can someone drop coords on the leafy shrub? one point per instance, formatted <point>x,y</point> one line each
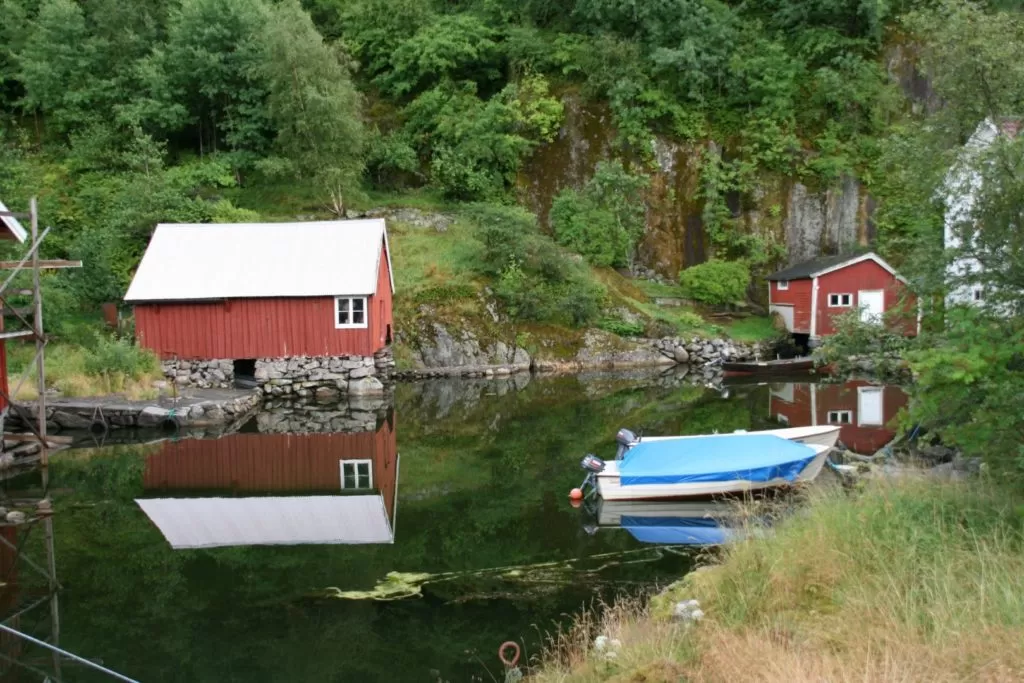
<point>605,220</point>
<point>854,337</point>
<point>621,327</point>
<point>113,355</point>
<point>716,282</point>
<point>535,279</point>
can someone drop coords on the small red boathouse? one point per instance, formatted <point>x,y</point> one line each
<point>809,295</point>
<point>265,290</point>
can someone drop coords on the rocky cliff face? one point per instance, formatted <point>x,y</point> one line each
<point>808,221</point>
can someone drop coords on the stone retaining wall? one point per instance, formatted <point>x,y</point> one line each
<point>204,374</point>
<point>107,413</point>
<point>300,376</point>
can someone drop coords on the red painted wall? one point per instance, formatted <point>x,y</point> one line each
<point>263,328</point>
<point>863,439</point>
<point>273,463</point>
<point>799,296</point>
<point>863,275</point>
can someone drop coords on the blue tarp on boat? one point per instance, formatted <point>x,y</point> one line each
<point>677,530</point>
<point>751,457</point>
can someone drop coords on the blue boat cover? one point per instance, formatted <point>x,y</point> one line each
<point>751,457</point>
<point>677,530</point>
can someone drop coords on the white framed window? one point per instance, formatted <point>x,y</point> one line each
<point>356,474</point>
<point>782,418</point>
<point>349,311</point>
<point>839,300</point>
<point>840,417</point>
<point>783,285</point>
<point>978,294</point>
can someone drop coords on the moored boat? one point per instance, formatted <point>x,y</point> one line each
<point>672,467</point>
<point>781,366</point>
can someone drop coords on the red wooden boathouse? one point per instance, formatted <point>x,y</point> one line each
<point>809,295</point>
<point>265,290</point>
<point>866,412</point>
<point>275,489</point>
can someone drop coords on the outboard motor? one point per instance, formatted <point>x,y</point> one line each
<point>625,439</point>
<point>592,463</point>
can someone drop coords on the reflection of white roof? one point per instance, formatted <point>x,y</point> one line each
<point>256,260</point>
<point>287,520</point>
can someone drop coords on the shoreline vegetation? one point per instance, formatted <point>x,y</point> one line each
<point>895,581</point>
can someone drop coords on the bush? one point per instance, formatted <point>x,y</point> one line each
<point>854,338</point>
<point>535,279</point>
<point>716,282</point>
<point>621,327</point>
<point>112,355</point>
<point>605,220</point>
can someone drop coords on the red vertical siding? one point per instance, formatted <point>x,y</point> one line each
<point>799,296</point>
<point>262,328</point>
<point>866,275</point>
<point>864,439</point>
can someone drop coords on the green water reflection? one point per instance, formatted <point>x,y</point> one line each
<point>484,472</point>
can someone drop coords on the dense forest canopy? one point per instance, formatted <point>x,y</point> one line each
<point>123,119</point>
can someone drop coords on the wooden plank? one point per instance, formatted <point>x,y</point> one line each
<point>43,263</point>
<point>20,312</point>
<point>16,334</point>
<point>13,214</point>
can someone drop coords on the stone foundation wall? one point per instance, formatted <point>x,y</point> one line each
<point>204,374</point>
<point>299,376</point>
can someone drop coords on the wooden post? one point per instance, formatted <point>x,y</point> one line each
<point>37,325</point>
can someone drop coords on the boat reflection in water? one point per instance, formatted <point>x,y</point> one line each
<point>866,412</point>
<point>275,489</point>
<point>699,523</point>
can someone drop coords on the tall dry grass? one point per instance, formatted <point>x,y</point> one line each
<point>106,366</point>
<point>908,582</point>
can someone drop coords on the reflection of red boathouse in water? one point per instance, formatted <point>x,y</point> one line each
<point>274,489</point>
<point>866,411</point>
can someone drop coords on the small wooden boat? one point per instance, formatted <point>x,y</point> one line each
<point>707,465</point>
<point>781,366</point>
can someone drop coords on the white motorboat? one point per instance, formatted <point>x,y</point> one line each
<point>671,467</point>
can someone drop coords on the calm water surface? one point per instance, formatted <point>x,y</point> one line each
<point>223,559</point>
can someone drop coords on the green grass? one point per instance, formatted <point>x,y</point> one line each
<point>752,329</point>
<point>84,359</point>
<point>423,258</point>
<point>280,201</point>
<point>905,581</point>
<point>660,291</point>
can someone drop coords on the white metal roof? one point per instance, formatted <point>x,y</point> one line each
<point>284,520</point>
<point>13,225</point>
<point>189,261</point>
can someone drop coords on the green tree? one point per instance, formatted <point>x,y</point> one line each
<point>968,368</point>
<point>605,220</point>
<point>57,63</point>
<point>312,104</point>
<point>212,62</point>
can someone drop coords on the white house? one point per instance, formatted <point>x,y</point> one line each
<point>962,185</point>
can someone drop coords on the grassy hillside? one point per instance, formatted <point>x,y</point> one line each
<point>902,582</point>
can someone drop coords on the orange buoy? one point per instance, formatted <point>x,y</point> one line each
<point>575,503</point>
<point>576,494</point>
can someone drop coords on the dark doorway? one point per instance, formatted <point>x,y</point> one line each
<point>387,335</point>
<point>245,372</point>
